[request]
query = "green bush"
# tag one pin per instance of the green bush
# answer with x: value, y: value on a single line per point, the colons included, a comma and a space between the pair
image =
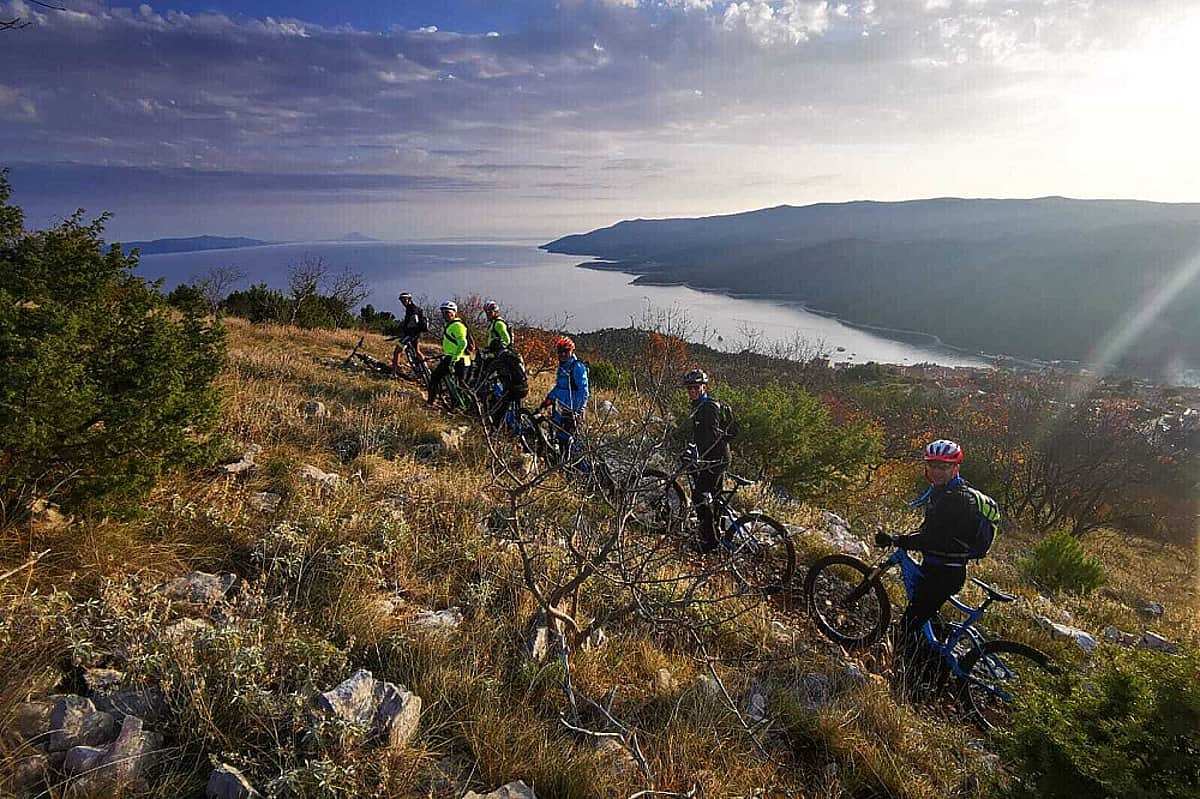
x: 104, y: 385
x: 604, y: 374
x: 1059, y: 563
x: 789, y: 437
x: 258, y: 304
x: 1129, y: 728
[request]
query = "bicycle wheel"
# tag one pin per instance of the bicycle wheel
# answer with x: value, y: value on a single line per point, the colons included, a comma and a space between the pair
x: 995, y: 674
x: 532, y: 436
x: 846, y: 608
x: 657, y: 502
x: 762, y: 552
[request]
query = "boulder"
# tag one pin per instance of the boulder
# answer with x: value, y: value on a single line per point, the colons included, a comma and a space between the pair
x: 443, y: 622
x: 75, y: 721
x: 264, y: 501
x: 31, y: 723
x: 835, y: 524
x: 388, y: 712
x: 147, y: 702
x: 1150, y: 610
x: 1082, y: 638
x: 244, y: 463
x: 513, y: 790
x: 327, y: 480
x: 814, y: 690
x: 106, y: 772
x: 200, y: 588
x: 313, y: 408
x: 226, y: 782
x: 1157, y: 643
x: 1116, y: 636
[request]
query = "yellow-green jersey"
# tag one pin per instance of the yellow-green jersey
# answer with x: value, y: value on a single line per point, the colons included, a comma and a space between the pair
x: 498, y: 336
x: 454, y: 341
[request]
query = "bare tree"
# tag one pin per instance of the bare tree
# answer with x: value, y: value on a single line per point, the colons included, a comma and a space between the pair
x: 346, y: 290
x: 215, y: 284
x: 304, y: 282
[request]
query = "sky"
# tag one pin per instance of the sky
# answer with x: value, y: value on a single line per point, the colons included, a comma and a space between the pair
x: 485, y: 119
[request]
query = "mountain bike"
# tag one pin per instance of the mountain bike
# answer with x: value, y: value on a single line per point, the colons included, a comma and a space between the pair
x: 518, y: 421
x: 758, y: 548
x: 418, y: 368
x: 847, y: 600
x: 373, y: 365
x: 455, y: 396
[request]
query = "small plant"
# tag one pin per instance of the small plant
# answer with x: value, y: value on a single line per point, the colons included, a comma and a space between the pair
x: 1059, y: 563
x: 1129, y: 727
x: 604, y: 374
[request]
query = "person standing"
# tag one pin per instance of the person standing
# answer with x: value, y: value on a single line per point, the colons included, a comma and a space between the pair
x: 568, y: 397
x: 412, y: 326
x: 454, y: 350
x: 499, y: 337
x: 710, y: 442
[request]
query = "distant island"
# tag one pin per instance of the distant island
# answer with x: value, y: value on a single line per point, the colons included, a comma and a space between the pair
x: 356, y: 236
x: 192, y: 244
x: 1049, y: 278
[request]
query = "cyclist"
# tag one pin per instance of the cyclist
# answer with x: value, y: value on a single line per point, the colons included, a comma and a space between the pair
x: 508, y: 369
x: 710, y: 443
x: 569, y: 396
x: 951, y: 519
x: 411, y: 328
x: 454, y: 350
x: 499, y: 338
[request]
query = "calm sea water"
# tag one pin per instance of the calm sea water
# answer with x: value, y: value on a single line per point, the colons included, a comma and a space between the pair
x: 550, y: 290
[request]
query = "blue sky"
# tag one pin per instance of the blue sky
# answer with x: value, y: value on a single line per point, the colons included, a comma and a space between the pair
x: 539, y: 117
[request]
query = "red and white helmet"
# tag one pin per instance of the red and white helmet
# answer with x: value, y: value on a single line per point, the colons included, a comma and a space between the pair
x: 944, y: 451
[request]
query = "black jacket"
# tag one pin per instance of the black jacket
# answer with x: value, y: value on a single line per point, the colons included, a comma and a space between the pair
x: 509, y: 369
x: 414, y: 322
x: 711, y: 445
x: 951, y: 520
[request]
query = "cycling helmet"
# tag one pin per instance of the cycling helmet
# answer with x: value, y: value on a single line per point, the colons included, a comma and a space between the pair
x: 565, y: 343
x: 450, y: 305
x: 404, y: 296
x: 944, y: 451
x: 695, y: 377
x: 491, y: 305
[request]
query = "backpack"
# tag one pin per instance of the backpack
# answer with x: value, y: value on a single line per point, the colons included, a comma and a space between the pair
x: 989, y: 521
x: 728, y: 421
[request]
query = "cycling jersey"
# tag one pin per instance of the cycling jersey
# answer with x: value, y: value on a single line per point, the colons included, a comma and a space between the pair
x: 499, y: 337
x: 454, y: 341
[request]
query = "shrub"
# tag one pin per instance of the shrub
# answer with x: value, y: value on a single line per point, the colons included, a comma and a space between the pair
x: 788, y: 436
x: 1058, y: 562
x: 104, y: 385
x: 604, y: 374
x: 258, y: 304
x: 1129, y: 727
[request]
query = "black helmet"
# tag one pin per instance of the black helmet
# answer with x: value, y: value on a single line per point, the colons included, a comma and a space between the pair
x: 404, y: 295
x: 695, y: 377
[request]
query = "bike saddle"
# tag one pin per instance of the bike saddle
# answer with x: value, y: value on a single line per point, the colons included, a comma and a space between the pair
x: 740, y: 481
x: 999, y: 596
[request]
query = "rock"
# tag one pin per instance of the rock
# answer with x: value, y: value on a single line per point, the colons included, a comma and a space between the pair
x: 854, y: 675
x: 619, y: 760
x: 1052, y: 611
x: 708, y: 687
x: 108, y: 772
x: 102, y: 680
x: 75, y: 721
x: 1116, y: 636
x: 835, y: 524
x: 664, y: 682
x: 226, y: 782
x: 439, y: 621
x: 1083, y: 639
x: 327, y: 480
x: 388, y: 712
x: 1156, y: 642
x: 814, y: 690
x: 513, y: 790
x: 200, y: 588
x: 31, y: 723
x: 314, y: 408
x: 452, y: 440
x: 47, y: 515
x: 31, y: 776
x: 265, y: 501
x: 147, y: 702
x: 606, y: 409
x: 756, y: 705
x: 245, y: 463
x: 1150, y: 610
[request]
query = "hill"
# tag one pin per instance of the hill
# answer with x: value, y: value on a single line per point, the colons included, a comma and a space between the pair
x: 192, y: 244
x: 1048, y: 278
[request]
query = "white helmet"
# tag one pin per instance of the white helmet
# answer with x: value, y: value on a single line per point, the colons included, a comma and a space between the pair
x: 450, y: 305
x: 491, y: 305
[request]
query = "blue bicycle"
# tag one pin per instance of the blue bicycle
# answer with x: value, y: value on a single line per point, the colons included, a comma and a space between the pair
x: 849, y: 603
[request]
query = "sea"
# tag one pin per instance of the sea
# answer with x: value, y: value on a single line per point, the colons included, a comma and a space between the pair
x: 554, y: 292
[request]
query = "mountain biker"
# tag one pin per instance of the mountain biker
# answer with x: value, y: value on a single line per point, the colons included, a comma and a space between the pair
x: 711, y: 446
x: 454, y: 350
x: 951, y: 519
x: 569, y: 396
x: 411, y: 328
x: 508, y: 369
x: 499, y: 337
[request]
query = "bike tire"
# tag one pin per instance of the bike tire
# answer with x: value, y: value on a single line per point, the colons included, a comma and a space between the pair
x: 532, y: 436
x: 658, y: 503
x: 994, y: 678
x: 829, y: 582
x: 762, y: 552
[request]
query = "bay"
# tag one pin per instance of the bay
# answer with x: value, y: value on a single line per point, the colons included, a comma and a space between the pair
x: 551, y: 291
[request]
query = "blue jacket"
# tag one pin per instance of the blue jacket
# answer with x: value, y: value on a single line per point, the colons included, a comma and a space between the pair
x: 571, y: 385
